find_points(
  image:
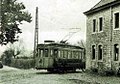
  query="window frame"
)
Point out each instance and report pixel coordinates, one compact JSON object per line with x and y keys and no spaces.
{"x":114,"y":28}
{"x":116,"y":58}
{"x":93,"y":55}
{"x":94,"y":26}
{"x":99,"y":24}
{"x":100,"y":56}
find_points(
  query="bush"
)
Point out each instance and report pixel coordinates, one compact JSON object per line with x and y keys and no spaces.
{"x":94,"y":70}
{"x":109,"y":72}
{"x":1,"y":65}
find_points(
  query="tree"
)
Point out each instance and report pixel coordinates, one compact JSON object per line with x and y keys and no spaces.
{"x":81,"y":43}
{"x":17,"y":48}
{"x":6,"y":56}
{"x":12,"y":14}
{"x":12,"y":51}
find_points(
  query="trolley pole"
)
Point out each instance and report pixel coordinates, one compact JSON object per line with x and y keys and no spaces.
{"x":36,"y":34}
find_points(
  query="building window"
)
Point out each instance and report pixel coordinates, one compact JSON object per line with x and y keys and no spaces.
{"x":116,"y":20}
{"x":100,"y":52}
{"x":94,"y":25}
{"x":116,"y":52}
{"x":100,"y":24}
{"x":93,"y":52}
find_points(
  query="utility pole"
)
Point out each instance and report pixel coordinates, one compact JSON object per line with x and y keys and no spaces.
{"x":36,"y":33}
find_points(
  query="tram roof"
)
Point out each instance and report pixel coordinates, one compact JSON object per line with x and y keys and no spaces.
{"x":59,"y":45}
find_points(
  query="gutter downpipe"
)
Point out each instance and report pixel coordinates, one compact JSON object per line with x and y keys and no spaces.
{"x":111,"y":31}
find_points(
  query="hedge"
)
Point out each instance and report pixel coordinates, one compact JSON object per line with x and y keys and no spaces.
{"x":22,"y":63}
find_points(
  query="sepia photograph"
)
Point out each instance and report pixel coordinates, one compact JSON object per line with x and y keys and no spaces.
{"x":59,"y":41}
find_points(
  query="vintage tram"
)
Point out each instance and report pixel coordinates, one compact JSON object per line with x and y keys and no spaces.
{"x":59,"y":57}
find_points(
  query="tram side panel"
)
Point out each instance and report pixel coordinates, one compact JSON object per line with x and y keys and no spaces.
{"x":71,"y":59}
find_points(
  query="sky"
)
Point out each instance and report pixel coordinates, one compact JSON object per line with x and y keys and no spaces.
{"x":57,"y":18}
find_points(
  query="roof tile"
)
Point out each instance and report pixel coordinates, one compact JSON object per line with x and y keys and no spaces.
{"x":102,"y":2}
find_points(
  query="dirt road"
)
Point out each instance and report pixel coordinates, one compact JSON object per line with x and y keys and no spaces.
{"x":17,"y":76}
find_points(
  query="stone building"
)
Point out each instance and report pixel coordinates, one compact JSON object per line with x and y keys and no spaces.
{"x":103,"y":36}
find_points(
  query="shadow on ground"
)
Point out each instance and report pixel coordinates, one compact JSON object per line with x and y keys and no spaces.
{"x":78,"y":81}
{"x":46,"y":72}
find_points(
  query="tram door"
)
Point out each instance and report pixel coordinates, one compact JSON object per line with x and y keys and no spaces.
{"x":39,"y":60}
{"x":45,"y":58}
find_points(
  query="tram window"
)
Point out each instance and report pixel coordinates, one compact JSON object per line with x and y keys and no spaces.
{"x":80,"y":55}
{"x":69,"y":54}
{"x":65,"y":54}
{"x":51,"y":53}
{"x":38,"y":53}
{"x":77,"y":54}
{"x":46,"y":52}
{"x":74,"y":54}
{"x":61,"y":54}
{"x":55,"y":52}
{"x":41,"y":53}
{"x":58,"y":53}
